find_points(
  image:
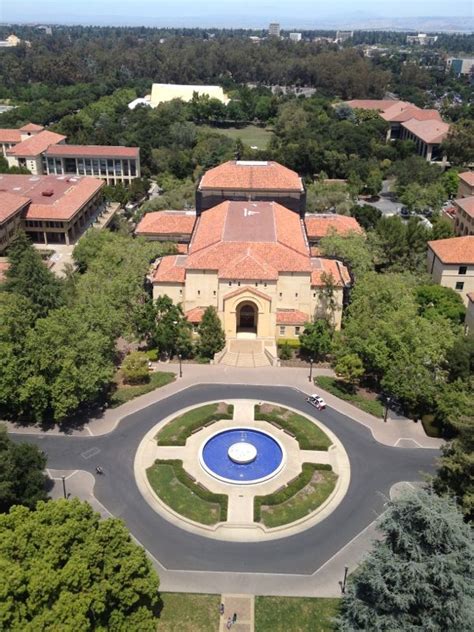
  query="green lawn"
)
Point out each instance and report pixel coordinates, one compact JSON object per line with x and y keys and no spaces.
{"x":305,"y":494}
{"x":295,"y":614}
{"x":307,"y":433}
{"x":339,"y":389}
{"x":126,"y":393}
{"x":186,"y":612}
{"x":177,"y":490}
{"x":250,"y":134}
{"x":178,"y":430}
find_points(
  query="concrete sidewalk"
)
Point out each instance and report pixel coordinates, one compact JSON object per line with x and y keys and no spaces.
{"x":398,"y":431}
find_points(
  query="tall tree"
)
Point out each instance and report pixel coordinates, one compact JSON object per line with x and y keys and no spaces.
{"x":316,"y":339}
{"x":419,"y":576}
{"x":28,"y":276}
{"x":211,"y":334}
{"x":64,"y":568}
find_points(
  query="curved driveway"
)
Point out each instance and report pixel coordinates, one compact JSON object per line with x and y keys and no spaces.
{"x":374,"y":469}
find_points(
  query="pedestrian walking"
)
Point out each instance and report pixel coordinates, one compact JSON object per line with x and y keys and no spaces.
{"x":228,"y":625}
{"x":234,"y":618}
{"x":221,"y":609}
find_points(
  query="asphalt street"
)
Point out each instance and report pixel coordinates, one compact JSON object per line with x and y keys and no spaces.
{"x":374,"y":469}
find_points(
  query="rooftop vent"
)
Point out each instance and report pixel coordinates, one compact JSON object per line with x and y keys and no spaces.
{"x":252,"y":163}
{"x":47,"y":193}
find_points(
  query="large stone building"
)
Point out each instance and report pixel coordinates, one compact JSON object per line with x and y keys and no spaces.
{"x":451,"y":263}
{"x":409,"y":122}
{"x":43,"y":152}
{"x":51,"y":209}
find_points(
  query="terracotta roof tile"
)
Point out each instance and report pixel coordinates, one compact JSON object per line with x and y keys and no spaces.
{"x":320,"y":225}
{"x":10,"y":136}
{"x":251,"y":175}
{"x":31,"y":127}
{"x":372,"y":104}
{"x":195,"y":315}
{"x":103,"y":151}
{"x":467,"y":177}
{"x":170,"y":269}
{"x":291,"y":317}
{"x":166,"y":223}
{"x":428,"y":131}
{"x":330,"y":268}
{"x":35,"y":145}
{"x":68,"y":203}
{"x":455,"y":250}
{"x":406,"y":111}
{"x":10,"y":204}
{"x":467,"y":204}
{"x":470,"y":296}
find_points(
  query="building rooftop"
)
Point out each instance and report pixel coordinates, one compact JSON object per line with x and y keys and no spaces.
{"x":170,"y":269}
{"x":31,"y":127}
{"x":430,"y":131}
{"x":35,"y":145}
{"x":195,"y":315}
{"x":10,"y":136}
{"x":467,"y":204}
{"x":291,"y":317}
{"x":455,"y":250}
{"x":52,"y":197}
{"x":251,"y":175}
{"x":320,"y":225}
{"x":166,"y":223}
{"x":329,"y":269}
{"x":372,"y":104}
{"x":467,"y":177}
{"x":93,"y":151}
{"x":10,"y":204}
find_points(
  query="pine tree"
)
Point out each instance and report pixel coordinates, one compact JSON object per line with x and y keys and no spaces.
{"x":211,"y":334}
{"x":419,"y":576}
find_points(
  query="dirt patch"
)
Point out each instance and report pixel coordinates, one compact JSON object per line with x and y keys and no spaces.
{"x":222,"y":407}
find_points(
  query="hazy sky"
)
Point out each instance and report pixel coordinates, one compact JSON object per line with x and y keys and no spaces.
{"x":220,"y":12}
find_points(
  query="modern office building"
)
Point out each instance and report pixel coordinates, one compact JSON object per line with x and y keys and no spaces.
{"x":460,"y":65}
{"x":295,"y":37}
{"x":274,"y":29}
{"x":451,"y":263}
{"x":422,"y":39}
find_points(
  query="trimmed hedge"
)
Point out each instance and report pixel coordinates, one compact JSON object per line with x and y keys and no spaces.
{"x":193,"y":425}
{"x":308,"y":434}
{"x":294,"y":486}
{"x":183,"y":477}
{"x":294,"y":343}
{"x":124,"y":394}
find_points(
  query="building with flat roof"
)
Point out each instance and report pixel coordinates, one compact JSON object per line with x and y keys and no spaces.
{"x":163,"y":92}
{"x":295,"y":37}
{"x":464,"y":217}
{"x":422,"y":39}
{"x":51,"y":209}
{"x":451,"y":263}
{"x":274,"y":29}
{"x":460,"y":65}
{"x":409,"y":122}
{"x":249,"y":180}
{"x":43,"y":152}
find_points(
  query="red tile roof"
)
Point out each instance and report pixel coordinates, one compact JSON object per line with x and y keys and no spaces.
{"x":291,"y":317}
{"x":170,"y":269}
{"x":467,"y":177}
{"x":324,"y":268}
{"x":372,"y":104}
{"x":251,"y":176}
{"x":320,"y":225}
{"x":195,"y":315}
{"x":31,"y":127}
{"x":467,"y":204}
{"x":10,"y":136}
{"x":248,"y":240}
{"x":455,"y":250}
{"x":403,"y":111}
{"x":428,"y":131}
{"x":182,"y":248}
{"x":166,"y":223}
{"x":93,"y":151}
{"x":10,"y":204}
{"x":35,"y":145}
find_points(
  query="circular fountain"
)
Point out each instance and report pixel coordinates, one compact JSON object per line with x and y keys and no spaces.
{"x":242,"y":456}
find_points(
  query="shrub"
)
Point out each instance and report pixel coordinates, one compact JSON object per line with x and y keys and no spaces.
{"x":294,"y":343}
{"x":135,"y":368}
{"x":285,"y":352}
{"x":152,"y":355}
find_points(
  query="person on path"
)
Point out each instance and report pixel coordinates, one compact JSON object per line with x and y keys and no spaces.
{"x":234,"y":618}
{"x":229,"y":623}
{"x":221,"y":609}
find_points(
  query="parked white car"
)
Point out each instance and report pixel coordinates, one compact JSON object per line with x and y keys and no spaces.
{"x":316,"y":401}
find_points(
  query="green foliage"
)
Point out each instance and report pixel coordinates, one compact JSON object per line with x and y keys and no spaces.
{"x":352,"y":248}
{"x":346,"y":392}
{"x":460,"y":358}
{"x":307,"y":433}
{"x":285,"y":352}
{"x":316,"y":339}
{"x":439,"y":301}
{"x":193,"y":500}
{"x":366,"y":215}
{"x":322,"y":197}
{"x":293,"y":343}
{"x":459,"y":143}
{"x":163,"y":325}
{"x":401,"y":246}
{"x":22,"y":478}
{"x":124,"y":394}
{"x":135,"y":368}
{"x":418,"y":577}
{"x":178,"y":430}
{"x":349,"y":367}
{"x":29,"y":277}
{"x":280,"y":614}
{"x":64,"y":555}
{"x":211,"y":334}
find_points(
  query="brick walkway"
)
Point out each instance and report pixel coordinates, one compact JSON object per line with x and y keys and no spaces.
{"x":244,"y":607}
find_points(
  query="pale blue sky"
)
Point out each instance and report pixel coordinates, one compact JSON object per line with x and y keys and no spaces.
{"x":258,"y":13}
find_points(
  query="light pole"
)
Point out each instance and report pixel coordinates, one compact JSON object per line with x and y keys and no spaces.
{"x":310,"y":377}
{"x":180,"y":357}
{"x":343,"y":583}
{"x":387,"y":404}
{"x":63,"y":478}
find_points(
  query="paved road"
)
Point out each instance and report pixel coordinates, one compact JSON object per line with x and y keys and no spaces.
{"x":374,"y":469}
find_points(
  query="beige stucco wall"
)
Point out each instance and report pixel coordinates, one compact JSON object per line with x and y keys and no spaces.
{"x":463,"y":223}
{"x":448,"y":275}
{"x":469,"y":322}
{"x":464,"y":190}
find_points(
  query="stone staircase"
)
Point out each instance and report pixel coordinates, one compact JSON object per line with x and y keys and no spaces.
{"x":244,"y":353}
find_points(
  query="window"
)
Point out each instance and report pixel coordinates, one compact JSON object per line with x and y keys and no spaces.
{"x":214,"y":292}
{"x":297,"y":331}
{"x":264,"y":285}
{"x":238,"y":283}
{"x":282,"y":330}
{"x":296,"y":294}
{"x":460,"y":285}
{"x":462,"y":270}
{"x":314,"y":294}
{"x":180,"y":291}
{"x":230,"y":283}
{"x":199,"y":292}
{"x":281,"y":294}
{"x":133,"y":168}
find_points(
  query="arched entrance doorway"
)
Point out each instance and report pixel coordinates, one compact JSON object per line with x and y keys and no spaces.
{"x":247,"y":317}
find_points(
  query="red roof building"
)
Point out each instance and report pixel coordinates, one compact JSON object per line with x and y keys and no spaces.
{"x":319,"y":225}
{"x":167,"y":226}
{"x":466,"y":184}
{"x":464,"y":217}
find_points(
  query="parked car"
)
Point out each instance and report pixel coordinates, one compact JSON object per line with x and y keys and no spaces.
{"x":404,"y":212}
{"x":316,"y":401}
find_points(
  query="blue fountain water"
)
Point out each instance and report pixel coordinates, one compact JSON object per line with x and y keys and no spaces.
{"x":216,"y":459}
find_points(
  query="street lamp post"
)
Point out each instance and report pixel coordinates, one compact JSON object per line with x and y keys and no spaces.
{"x":310,"y":377}
{"x":63,"y":478}
{"x":343,"y":583}
{"x":180,"y":357}
{"x":387,"y":404}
